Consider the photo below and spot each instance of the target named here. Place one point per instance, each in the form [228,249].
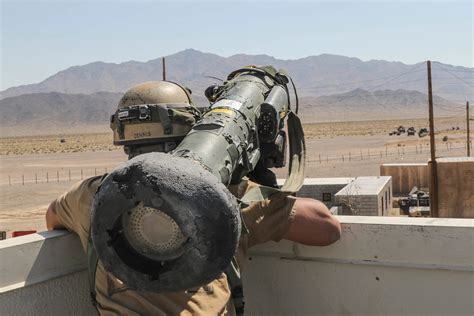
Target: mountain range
[314,75]
[330,88]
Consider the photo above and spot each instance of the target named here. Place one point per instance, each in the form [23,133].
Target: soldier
[306,221]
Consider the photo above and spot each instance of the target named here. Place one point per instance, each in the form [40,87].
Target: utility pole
[434,169]
[468,131]
[164,67]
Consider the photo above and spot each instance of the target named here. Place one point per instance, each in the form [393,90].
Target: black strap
[236,288]
[93,259]
[165,120]
[92,262]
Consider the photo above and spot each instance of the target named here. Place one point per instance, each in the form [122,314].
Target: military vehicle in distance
[423,132]
[411,131]
[417,204]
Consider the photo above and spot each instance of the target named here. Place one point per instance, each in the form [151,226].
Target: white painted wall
[381,266]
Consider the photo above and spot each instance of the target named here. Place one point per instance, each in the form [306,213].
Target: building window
[327,197]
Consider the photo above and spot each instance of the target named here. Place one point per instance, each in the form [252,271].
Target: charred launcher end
[163,223]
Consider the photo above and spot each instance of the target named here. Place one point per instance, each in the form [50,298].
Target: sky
[40,38]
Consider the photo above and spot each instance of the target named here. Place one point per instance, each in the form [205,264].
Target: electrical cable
[454,75]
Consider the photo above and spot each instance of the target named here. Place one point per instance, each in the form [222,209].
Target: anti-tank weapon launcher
[166,222]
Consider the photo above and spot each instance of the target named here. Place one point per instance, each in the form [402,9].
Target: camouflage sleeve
[73,207]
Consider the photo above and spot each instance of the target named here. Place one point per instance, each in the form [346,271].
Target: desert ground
[34,170]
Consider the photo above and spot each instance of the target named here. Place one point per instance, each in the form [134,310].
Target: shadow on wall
[56,258]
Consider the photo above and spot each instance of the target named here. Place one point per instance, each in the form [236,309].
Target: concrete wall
[314,189]
[385,199]
[44,274]
[381,266]
[405,176]
[456,187]
[361,205]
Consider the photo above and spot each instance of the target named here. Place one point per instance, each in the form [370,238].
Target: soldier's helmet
[153,116]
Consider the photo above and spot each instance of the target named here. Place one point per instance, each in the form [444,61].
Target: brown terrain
[34,170]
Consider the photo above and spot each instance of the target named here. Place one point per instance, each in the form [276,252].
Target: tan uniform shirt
[113,298]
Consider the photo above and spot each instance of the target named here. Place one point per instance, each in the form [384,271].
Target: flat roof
[323,181]
[405,164]
[455,159]
[365,186]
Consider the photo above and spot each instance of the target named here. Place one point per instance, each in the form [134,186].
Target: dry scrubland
[40,168]
[53,144]
[92,142]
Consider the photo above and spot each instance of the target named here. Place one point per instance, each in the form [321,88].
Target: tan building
[456,187]
[405,176]
[323,189]
[366,196]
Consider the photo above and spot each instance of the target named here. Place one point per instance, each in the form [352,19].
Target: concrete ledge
[39,257]
[408,266]
[426,243]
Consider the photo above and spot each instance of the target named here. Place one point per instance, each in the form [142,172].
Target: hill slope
[55,111]
[58,112]
[361,104]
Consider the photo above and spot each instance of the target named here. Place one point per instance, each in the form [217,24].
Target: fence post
[350,158]
[342,158]
[9,180]
[319,158]
[57,175]
[23,179]
[361,157]
[403,150]
[47,177]
[69,174]
[386,151]
[81,173]
[36,178]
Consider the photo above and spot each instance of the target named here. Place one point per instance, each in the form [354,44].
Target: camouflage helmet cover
[155,92]
[155,112]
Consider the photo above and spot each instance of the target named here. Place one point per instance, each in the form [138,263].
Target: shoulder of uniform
[90,185]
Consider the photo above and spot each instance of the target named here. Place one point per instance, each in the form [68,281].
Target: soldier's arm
[71,210]
[303,220]
[52,221]
[312,224]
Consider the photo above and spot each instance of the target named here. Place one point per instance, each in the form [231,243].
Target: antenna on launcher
[164,68]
